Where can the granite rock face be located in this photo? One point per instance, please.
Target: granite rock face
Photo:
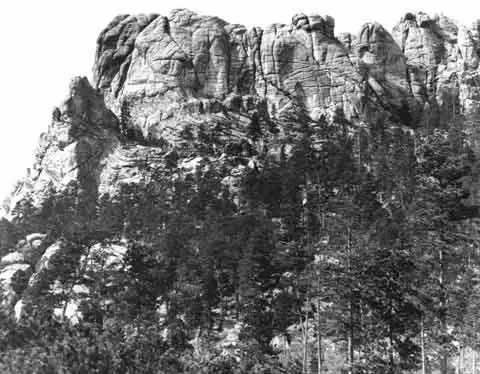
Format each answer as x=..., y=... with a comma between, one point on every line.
x=442, y=65
x=160, y=65
x=81, y=131
x=114, y=48
x=187, y=87
x=187, y=57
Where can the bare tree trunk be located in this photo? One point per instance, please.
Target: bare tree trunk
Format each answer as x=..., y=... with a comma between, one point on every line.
x=319, y=328
x=390, y=340
x=350, y=343
x=474, y=361
x=305, y=347
x=319, y=339
x=350, y=349
x=474, y=351
x=304, y=338
x=362, y=354
x=305, y=343
x=459, y=361
x=443, y=315
x=462, y=359
x=422, y=342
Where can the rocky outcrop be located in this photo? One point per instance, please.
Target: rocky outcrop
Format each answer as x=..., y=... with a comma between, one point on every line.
x=81, y=132
x=442, y=65
x=114, y=48
x=96, y=259
x=167, y=62
x=384, y=66
x=187, y=57
x=17, y=267
x=187, y=88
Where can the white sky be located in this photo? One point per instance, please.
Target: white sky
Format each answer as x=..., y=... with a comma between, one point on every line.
x=45, y=43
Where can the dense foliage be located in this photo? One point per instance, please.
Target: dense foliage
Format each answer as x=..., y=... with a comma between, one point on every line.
x=355, y=245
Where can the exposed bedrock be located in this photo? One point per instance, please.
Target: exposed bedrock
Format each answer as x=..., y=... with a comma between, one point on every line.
x=426, y=69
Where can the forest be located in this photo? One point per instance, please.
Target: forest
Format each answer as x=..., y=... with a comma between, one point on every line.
x=349, y=250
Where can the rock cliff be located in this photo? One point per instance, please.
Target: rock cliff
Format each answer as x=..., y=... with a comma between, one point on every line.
x=164, y=64
x=189, y=87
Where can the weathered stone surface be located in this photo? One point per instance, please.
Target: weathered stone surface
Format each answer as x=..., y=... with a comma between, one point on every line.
x=9, y=271
x=305, y=60
x=32, y=248
x=45, y=261
x=186, y=57
x=35, y=239
x=442, y=61
x=383, y=65
x=82, y=131
x=114, y=46
x=12, y=258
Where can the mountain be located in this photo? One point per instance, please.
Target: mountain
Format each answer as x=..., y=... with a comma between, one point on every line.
x=215, y=185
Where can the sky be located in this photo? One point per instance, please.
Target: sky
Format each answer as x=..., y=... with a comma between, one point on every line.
x=46, y=43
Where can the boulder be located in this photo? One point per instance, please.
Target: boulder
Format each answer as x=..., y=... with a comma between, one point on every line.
x=12, y=258
x=45, y=261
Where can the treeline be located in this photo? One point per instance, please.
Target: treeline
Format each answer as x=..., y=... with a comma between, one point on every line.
x=362, y=239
